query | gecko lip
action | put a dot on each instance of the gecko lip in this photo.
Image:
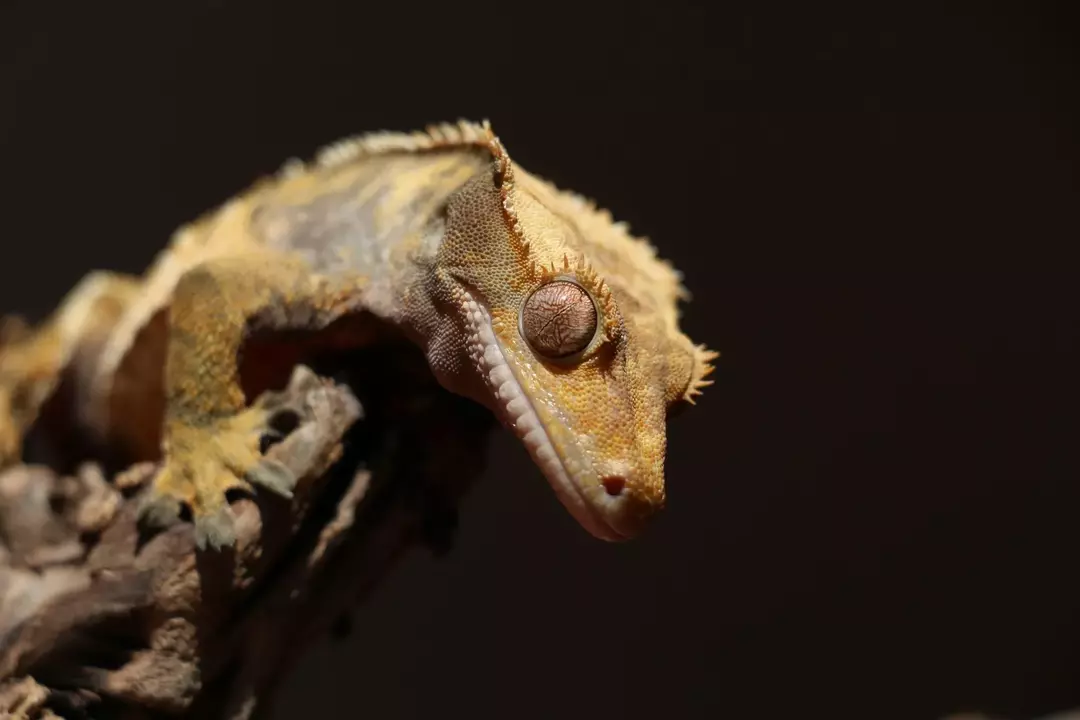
(611, 516)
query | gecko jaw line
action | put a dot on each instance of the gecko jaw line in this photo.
(517, 411)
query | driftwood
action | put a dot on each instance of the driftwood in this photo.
(102, 618)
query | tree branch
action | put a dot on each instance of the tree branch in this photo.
(100, 618)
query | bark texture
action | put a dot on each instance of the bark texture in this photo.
(99, 618)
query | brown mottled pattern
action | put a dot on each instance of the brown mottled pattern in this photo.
(559, 319)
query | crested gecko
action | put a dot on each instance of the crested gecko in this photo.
(523, 297)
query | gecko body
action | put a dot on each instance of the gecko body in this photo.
(523, 297)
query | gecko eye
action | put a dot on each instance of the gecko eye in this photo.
(559, 319)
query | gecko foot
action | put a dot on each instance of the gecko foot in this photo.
(203, 463)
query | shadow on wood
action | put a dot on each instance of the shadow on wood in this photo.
(99, 618)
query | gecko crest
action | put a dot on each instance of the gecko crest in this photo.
(540, 273)
(703, 367)
(641, 254)
(435, 137)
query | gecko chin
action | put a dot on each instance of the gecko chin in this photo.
(603, 505)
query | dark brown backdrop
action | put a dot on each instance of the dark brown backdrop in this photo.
(872, 514)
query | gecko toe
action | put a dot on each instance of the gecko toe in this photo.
(159, 511)
(215, 530)
(273, 476)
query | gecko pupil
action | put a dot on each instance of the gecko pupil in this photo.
(559, 319)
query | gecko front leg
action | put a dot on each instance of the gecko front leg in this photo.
(211, 438)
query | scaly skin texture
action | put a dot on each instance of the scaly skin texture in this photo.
(523, 297)
(32, 361)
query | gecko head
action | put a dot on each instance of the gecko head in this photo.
(570, 338)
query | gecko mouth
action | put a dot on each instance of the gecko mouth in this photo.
(601, 507)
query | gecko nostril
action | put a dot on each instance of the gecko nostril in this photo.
(614, 485)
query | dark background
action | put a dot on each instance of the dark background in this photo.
(872, 513)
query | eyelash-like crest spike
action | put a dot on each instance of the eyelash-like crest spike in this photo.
(504, 181)
(462, 134)
(503, 171)
(703, 358)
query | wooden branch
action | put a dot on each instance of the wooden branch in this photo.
(100, 618)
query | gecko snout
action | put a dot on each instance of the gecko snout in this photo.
(625, 512)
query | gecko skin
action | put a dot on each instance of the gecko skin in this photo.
(33, 362)
(524, 298)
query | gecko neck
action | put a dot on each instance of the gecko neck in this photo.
(378, 219)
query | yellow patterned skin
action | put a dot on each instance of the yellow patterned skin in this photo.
(439, 235)
(33, 361)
